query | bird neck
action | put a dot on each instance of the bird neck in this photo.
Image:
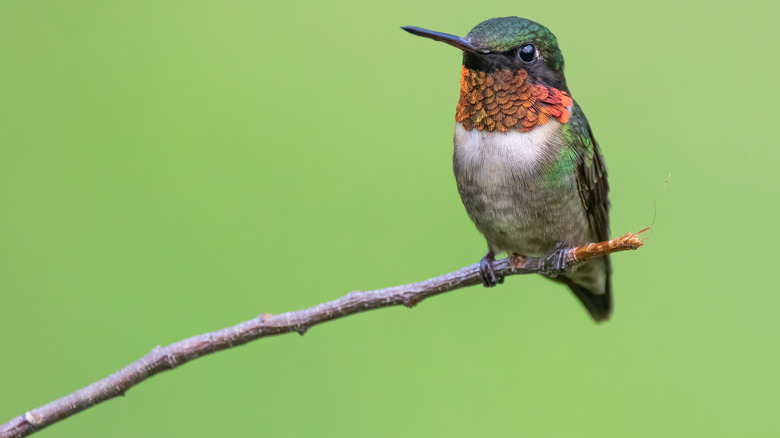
(502, 100)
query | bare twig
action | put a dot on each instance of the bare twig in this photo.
(165, 358)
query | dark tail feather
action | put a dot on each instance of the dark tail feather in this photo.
(588, 278)
(599, 306)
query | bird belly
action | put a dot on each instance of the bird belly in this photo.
(515, 191)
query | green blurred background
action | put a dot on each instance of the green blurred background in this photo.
(172, 168)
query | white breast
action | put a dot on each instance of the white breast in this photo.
(503, 180)
(493, 152)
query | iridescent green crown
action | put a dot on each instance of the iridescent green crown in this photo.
(505, 33)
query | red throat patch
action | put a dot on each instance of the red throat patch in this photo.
(504, 101)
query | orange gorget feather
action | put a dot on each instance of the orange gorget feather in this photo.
(505, 101)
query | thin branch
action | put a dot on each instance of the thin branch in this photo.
(166, 358)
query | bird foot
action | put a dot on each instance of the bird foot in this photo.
(489, 277)
(556, 262)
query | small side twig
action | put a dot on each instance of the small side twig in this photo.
(600, 249)
(166, 358)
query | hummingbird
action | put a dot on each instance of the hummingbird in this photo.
(527, 166)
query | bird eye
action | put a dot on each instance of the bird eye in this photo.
(527, 53)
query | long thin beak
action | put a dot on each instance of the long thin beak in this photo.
(452, 40)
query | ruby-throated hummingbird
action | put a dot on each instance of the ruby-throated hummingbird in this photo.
(528, 169)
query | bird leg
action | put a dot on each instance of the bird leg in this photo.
(489, 278)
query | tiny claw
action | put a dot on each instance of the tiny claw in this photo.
(488, 275)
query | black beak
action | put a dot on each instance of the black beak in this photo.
(453, 40)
